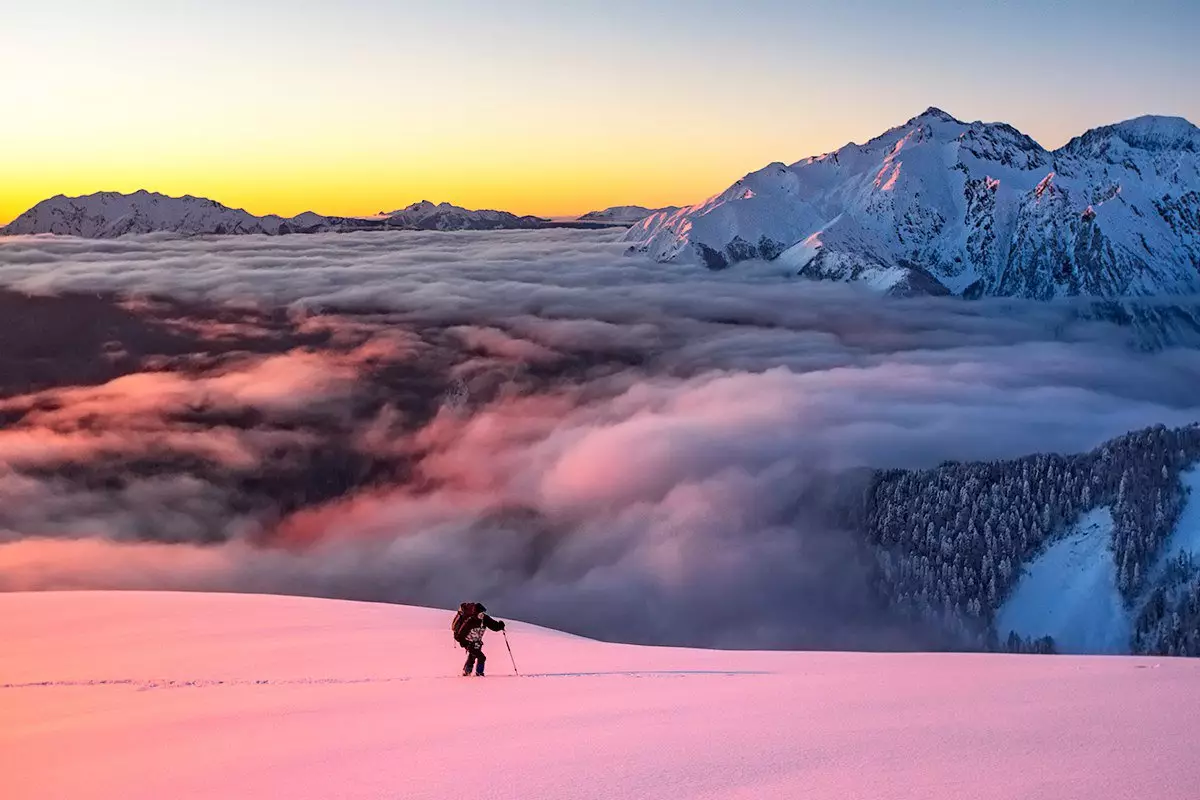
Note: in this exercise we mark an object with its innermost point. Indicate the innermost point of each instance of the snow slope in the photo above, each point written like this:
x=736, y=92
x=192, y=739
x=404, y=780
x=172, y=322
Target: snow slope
x=938, y=205
x=625, y=214
x=155, y=695
x=1070, y=592
x=1186, y=536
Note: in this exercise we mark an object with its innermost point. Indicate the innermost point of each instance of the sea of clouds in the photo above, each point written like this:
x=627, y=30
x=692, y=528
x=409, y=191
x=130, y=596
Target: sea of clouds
x=574, y=436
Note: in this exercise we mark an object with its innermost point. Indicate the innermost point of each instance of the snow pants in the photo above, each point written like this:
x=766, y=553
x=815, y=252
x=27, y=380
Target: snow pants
x=475, y=657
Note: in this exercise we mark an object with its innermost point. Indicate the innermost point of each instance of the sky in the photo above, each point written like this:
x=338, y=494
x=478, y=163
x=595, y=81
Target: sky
x=539, y=107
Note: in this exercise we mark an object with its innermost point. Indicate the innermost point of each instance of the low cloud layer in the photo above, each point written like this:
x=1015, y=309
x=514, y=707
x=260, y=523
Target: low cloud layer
x=592, y=441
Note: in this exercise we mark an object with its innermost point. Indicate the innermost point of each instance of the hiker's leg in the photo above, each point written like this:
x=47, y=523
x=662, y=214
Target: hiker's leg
x=482, y=658
x=470, y=665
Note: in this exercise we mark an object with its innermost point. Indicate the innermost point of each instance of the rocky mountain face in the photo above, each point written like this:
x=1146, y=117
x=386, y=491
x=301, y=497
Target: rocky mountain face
x=941, y=206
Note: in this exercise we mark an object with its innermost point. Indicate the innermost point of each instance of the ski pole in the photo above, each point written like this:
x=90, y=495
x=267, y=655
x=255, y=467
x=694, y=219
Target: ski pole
x=510, y=655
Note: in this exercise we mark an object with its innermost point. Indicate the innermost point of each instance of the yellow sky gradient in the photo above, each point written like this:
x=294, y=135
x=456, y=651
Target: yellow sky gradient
x=337, y=146
x=552, y=179
x=354, y=153
x=324, y=114
x=346, y=154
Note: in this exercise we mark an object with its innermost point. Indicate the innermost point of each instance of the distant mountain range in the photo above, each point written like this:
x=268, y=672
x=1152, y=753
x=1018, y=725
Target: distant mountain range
x=941, y=206
x=106, y=215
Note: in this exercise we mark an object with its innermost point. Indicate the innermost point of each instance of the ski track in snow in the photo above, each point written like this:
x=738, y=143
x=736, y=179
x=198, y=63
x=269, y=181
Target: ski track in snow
x=204, y=683
x=201, y=683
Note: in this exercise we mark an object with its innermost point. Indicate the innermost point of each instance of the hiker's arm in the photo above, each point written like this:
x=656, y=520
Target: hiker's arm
x=493, y=624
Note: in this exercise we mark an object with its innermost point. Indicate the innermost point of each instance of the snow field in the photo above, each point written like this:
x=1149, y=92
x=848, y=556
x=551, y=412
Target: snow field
x=152, y=695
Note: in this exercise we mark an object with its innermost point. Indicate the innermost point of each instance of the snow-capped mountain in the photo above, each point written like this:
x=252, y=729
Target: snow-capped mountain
x=427, y=216
x=105, y=215
x=942, y=206
x=629, y=215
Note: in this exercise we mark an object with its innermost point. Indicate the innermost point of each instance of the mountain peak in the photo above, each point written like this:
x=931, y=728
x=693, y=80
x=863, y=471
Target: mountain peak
x=426, y=215
x=1149, y=132
x=933, y=122
x=429, y=207
x=933, y=112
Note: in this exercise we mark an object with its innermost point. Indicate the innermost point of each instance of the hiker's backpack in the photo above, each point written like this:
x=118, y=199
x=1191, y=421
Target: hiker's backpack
x=462, y=620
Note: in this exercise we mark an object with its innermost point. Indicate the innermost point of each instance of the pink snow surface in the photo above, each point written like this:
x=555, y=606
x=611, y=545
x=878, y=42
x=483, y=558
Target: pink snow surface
x=172, y=696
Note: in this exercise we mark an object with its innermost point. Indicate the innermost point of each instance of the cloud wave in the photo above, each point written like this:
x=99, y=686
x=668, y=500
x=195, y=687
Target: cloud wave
x=619, y=448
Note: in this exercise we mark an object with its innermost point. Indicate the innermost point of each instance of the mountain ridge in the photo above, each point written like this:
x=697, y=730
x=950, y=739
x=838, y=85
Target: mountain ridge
x=105, y=215
x=941, y=206
x=425, y=215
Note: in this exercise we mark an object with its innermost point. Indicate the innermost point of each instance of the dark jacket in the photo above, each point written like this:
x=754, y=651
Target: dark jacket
x=470, y=621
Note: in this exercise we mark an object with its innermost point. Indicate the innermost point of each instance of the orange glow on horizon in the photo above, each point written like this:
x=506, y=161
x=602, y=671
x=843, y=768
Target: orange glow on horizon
x=336, y=199
x=561, y=184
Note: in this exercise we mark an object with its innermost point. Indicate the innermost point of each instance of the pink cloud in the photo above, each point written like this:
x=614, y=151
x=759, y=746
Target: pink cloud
x=498, y=344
